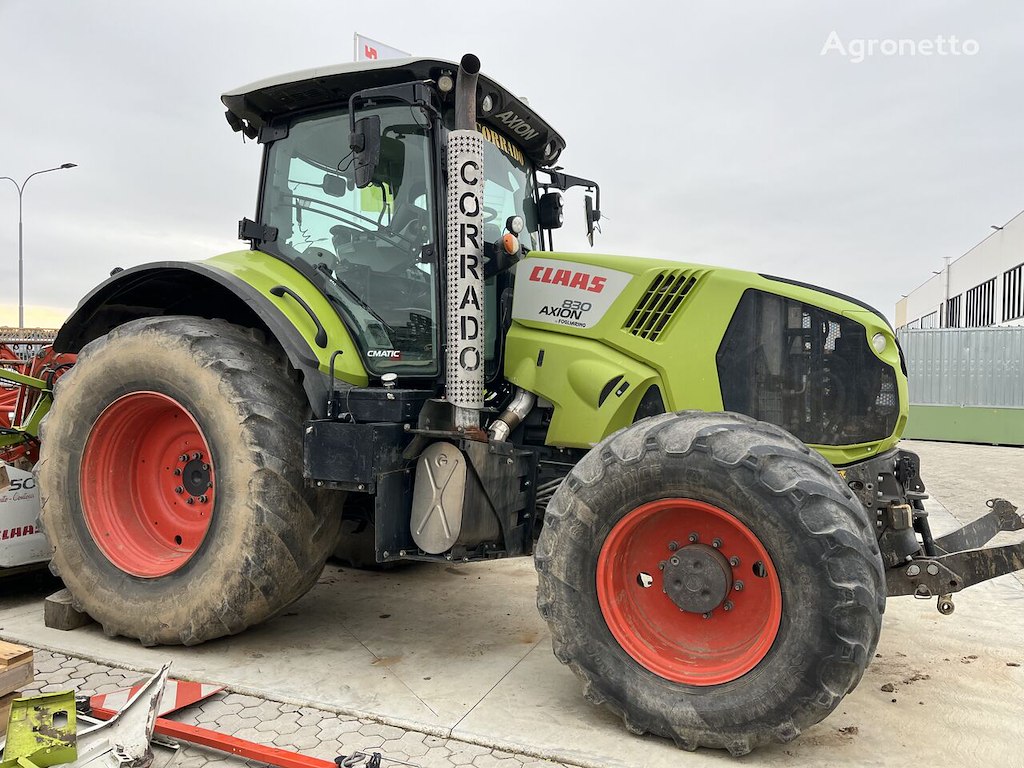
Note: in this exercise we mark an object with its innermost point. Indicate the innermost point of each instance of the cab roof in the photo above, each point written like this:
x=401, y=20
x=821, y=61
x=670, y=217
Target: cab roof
x=263, y=102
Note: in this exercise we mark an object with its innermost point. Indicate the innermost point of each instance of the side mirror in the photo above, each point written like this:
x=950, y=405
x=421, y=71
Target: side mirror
x=593, y=216
x=564, y=181
x=549, y=210
x=364, y=141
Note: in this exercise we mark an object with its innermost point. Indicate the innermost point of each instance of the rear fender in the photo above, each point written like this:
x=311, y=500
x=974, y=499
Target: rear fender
x=235, y=287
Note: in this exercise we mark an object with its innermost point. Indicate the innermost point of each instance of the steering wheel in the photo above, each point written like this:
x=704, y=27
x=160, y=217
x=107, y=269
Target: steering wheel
x=406, y=223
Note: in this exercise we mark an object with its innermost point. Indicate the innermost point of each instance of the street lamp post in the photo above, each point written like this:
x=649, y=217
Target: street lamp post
x=21, y=267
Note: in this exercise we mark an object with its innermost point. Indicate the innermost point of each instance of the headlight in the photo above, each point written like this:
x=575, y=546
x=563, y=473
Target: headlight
x=878, y=341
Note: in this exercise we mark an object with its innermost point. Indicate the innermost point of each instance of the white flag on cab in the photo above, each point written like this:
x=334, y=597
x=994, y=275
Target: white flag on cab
x=371, y=50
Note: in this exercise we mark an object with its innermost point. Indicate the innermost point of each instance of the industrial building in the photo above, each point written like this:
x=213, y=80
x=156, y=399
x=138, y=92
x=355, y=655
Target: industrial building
x=962, y=334
x=981, y=289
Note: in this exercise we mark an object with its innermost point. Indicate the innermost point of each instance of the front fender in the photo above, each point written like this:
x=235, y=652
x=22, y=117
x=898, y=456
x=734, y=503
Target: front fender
x=235, y=287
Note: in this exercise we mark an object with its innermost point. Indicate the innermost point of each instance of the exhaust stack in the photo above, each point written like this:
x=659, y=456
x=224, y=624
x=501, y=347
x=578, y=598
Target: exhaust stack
x=465, y=93
x=464, y=359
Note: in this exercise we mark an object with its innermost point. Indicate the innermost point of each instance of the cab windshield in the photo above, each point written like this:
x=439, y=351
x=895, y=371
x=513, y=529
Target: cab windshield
x=509, y=189
x=371, y=244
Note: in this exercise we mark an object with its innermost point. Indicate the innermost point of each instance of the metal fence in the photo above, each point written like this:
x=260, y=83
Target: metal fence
x=965, y=366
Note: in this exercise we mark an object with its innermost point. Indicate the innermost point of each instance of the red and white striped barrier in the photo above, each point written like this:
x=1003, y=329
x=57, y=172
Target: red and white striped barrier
x=178, y=694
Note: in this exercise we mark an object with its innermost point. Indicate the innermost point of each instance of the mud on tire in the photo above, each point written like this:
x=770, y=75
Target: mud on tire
x=816, y=533
x=267, y=536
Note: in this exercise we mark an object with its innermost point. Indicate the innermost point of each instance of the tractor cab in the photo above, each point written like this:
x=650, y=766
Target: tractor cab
x=355, y=197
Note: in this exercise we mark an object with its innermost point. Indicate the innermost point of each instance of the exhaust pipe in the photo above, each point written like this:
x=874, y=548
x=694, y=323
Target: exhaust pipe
x=465, y=93
x=522, y=403
x=464, y=357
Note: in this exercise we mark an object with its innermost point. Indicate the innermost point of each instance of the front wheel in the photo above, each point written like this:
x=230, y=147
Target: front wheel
x=710, y=579
x=171, y=482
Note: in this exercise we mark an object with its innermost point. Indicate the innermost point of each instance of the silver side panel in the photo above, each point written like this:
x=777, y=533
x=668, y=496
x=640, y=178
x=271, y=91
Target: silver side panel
x=437, y=499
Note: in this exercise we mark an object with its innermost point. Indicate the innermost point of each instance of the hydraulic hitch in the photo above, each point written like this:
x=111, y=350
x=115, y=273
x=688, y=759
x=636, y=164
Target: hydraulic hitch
x=961, y=561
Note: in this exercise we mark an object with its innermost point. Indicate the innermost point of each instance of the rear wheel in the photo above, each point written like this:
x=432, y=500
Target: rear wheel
x=171, y=479
x=710, y=579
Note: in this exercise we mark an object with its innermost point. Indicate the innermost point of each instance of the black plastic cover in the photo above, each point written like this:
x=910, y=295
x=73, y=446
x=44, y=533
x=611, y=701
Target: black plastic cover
x=808, y=370
x=351, y=456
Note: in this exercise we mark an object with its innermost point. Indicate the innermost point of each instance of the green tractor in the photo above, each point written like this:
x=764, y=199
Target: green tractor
x=703, y=462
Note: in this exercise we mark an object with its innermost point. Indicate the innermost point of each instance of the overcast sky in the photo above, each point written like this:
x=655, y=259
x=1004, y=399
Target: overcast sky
x=719, y=131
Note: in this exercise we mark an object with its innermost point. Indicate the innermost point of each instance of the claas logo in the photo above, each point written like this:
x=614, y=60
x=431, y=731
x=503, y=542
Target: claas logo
x=569, y=278
x=14, y=533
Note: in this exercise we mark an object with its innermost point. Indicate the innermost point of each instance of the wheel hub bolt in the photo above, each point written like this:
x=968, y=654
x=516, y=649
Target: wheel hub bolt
x=738, y=586
x=706, y=615
x=190, y=500
x=734, y=561
x=694, y=538
x=673, y=546
x=197, y=456
x=697, y=578
x=203, y=498
x=183, y=457
x=727, y=605
x=179, y=489
x=177, y=471
x=661, y=566
x=717, y=543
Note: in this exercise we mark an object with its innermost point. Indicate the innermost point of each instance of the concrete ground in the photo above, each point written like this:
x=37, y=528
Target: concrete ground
x=308, y=730
x=427, y=658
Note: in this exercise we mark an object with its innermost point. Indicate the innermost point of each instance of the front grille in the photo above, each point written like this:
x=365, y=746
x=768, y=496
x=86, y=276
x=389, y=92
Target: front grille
x=806, y=369
x=659, y=303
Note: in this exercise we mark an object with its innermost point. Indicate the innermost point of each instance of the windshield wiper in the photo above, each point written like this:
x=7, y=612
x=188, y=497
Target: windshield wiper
x=323, y=269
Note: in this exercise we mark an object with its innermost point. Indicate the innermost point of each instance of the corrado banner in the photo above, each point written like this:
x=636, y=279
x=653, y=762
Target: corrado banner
x=464, y=376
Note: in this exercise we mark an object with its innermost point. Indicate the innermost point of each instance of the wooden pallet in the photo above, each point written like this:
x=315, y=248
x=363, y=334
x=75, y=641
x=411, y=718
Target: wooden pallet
x=11, y=655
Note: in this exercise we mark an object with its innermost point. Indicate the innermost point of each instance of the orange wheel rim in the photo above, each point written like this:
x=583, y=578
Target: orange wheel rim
x=689, y=592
